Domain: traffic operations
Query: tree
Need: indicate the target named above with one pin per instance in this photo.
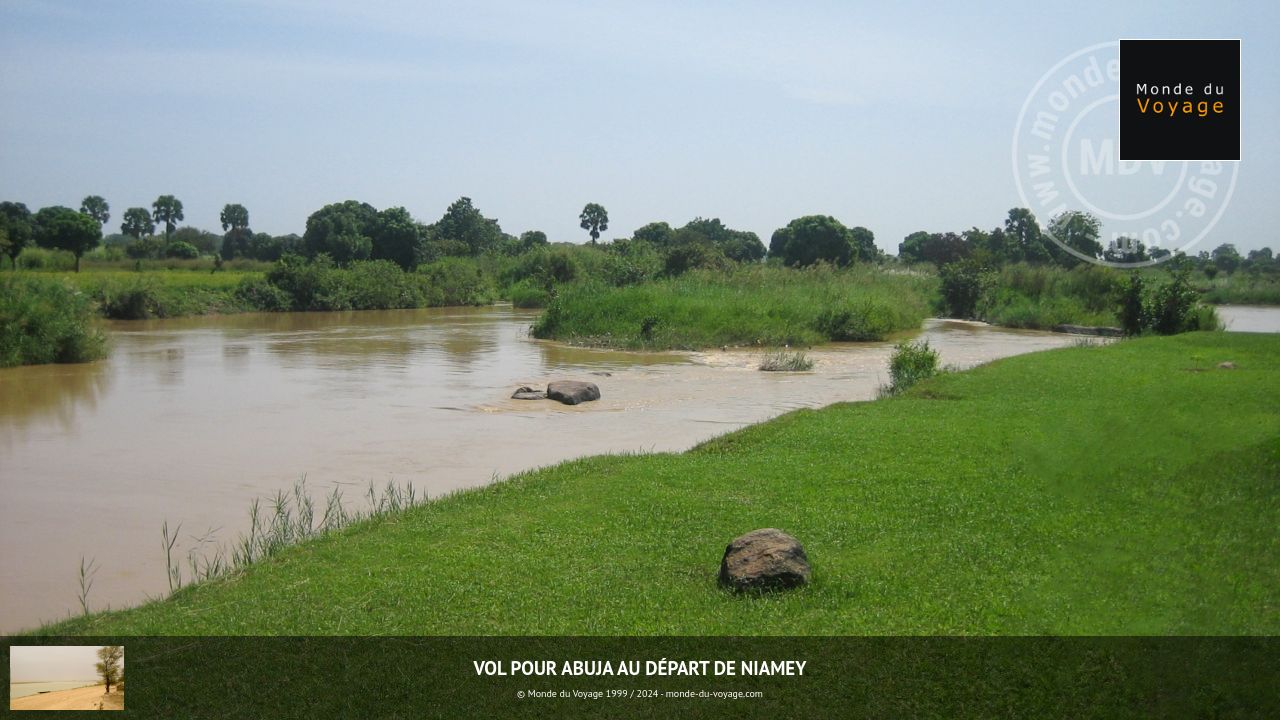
(1125, 249)
(738, 245)
(1227, 258)
(341, 231)
(235, 223)
(657, 234)
(464, 223)
(1023, 240)
(65, 229)
(167, 209)
(809, 239)
(594, 219)
(110, 668)
(137, 222)
(530, 239)
(97, 208)
(16, 231)
(864, 244)
(1078, 231)
(396, 237)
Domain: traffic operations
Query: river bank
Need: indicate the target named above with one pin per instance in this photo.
(346, 399)
(976, 503)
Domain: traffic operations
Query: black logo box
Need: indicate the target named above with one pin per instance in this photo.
(1187, 68)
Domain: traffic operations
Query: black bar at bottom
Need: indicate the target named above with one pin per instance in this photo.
(881, 677)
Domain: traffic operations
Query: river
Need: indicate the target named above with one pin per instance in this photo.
(188, 420)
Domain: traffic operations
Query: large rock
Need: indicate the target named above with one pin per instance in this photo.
(572, 392)
(766, 559)
(528, 393)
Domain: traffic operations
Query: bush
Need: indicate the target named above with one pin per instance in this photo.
(381, 284)
(456, 281)
(529, 294)
(1133, 316)
(147, 248)
(1174, 306)
(135, 298)
(257, 293)
(867, 320)
(310, 284)
(46, 321)
(38, 258)
(911, 363)
(179, 249)
(963, 284)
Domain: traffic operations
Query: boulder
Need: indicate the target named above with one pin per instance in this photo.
(528, 393)
(766, 559)
(572, 392)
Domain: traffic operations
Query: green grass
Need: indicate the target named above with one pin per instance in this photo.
(1125, 489)
(750, 305)
(162, 293)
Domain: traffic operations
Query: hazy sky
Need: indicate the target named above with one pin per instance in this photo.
(895, 116)
(29, 663)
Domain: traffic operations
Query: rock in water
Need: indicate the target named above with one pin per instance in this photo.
(572, 392)
(766, 559)
(528, 393)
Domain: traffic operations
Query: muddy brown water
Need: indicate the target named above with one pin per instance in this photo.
(1250, 318)
(190, 419)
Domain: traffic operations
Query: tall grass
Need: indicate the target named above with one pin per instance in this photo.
(283, 520)
(750, 305)
(44, 320)
(1043, 296)
(786, 361)
(1243, 289)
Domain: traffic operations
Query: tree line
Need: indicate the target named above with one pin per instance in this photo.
(352, 230)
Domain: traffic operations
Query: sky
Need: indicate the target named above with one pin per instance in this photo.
(895, 116)
(34, 663)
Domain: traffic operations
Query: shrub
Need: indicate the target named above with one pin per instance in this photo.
(256, 293)
(46, 321)
(310, 284)
(1133, 316)
(1172, 308)
(135, 298)
(456, 281)
(867, 320)
(529, 294)
(911, 363)
(38, 258)
(963, 284)
(179, 249)
(381, 284)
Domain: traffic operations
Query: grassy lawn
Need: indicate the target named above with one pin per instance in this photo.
(1129, 489)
